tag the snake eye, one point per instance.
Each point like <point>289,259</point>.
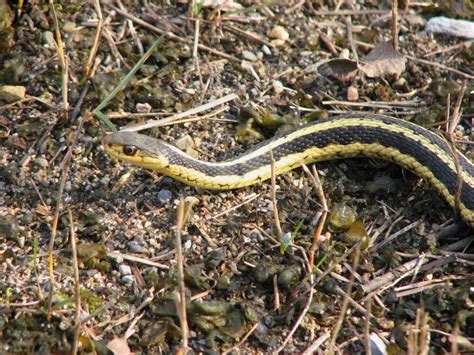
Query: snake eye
<point>130,150</point>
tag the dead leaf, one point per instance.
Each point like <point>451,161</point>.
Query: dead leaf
<point>340,69</point>
<point>383,60</point>
<point>119,346</point>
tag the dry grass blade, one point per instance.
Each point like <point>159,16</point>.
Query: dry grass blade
<point>63,60</point>
<point>181,294</point>
<point>54,230</point>
<point>95,46</point>
<point>77,293</point>
<point>274,200</point>
<point>395,24</point>
<point>453,122</point>
<point>314,178</point>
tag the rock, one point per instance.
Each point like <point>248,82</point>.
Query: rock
<point>69,26</point>
<point>165,196</point>
<point>277,86</point>
<point>250,56</point>
<point>127,279</point>
<point>47,38</point>
<point>352,94</point>
<point>280,33</point>
<point>184,142</point>
<point>10,93</point>
<point>266,50</point>
<point>135,247</point>
<point>8,228</point>
<point>42,162</point>
<point>124,269</point>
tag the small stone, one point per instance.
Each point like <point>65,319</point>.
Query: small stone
<point>352,94</point>
<point>48,40</point>
<point>415,20</point>
<point>135,247</point>
<point>127,279</point>
<point>11,93</point>
<point>165,196</point>
<point>125,269</point>
<point>250,56</point>
<point>266,50</point>
<point>279,32</point>
<point>42,162</point>
<point>184,142</point>
<point>143,107</point>
<point>187,245</point>
<point>277,86</point>
<point>8,228</point>
<point>401,83</point>
<point>278,42</point>
<point>345,54</point>
<point>69,26</point>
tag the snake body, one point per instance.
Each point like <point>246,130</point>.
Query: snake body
<point>352,135</point>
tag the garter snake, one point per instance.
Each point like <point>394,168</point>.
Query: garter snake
<point>351,135</point>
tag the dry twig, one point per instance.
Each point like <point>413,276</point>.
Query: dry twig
<point>314,178</point>
<point>178,116</point>
<point>395,24</point>
<point>181,299</point>
<point>77,293</point>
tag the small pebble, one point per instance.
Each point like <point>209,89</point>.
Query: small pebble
<point>11,93</point>
<point>279,32</point>
<point>47,39</point>
<point>127,279</point>
<point>125,269</point>
<point>250,56</point>
<point>352,94</point>
<point>135,247</point>
<point>143,107</point>
<point>266,50</point>
<point>42,162</point>
<point>69,26</point>
<point>184,142</point>
<point>277,86</point>
<point>345,54</point>
<point>165,196</point>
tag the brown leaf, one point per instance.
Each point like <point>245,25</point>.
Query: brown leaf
<point>119,346</point>
<point>340,69</point>
<point>383,60</point>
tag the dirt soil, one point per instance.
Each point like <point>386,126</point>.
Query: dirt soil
<point>88,245</point>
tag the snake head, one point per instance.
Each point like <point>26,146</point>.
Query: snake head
<point>137,149</point>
